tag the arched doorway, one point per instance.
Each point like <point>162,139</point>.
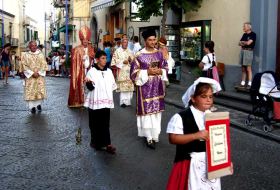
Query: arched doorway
<point>94,32</point>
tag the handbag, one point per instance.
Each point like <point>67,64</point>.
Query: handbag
<point>212,72</point>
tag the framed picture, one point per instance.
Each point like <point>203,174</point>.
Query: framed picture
<point>218,145</point>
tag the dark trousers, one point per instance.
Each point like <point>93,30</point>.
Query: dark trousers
<point>99,123</point>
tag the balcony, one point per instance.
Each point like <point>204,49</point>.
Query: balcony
<point>60,3</point>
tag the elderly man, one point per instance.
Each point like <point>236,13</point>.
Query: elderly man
<point>122,58</point>
<point>247,44</point>
<point>149,71</point>
<point>34,67</point>
<point>81,58</point>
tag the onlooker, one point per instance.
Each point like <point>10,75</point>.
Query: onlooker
<point>101,84</point>
<point>6,61</point>
<point>108,51</point>
<point>208,63</point>
<point>208,59</point>
<point>55,63</point>
<point>247,43</point>
<point>13,64</point>
<point>136,47</point>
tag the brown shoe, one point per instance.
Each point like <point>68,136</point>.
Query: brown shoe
<point>111,149</point>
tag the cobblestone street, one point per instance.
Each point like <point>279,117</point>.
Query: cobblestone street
<point>40,152</point>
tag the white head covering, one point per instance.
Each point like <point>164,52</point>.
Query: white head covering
<point>187,96</point>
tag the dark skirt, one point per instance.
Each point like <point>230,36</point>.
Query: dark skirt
<point>179,176</point>
<point>99,123</point>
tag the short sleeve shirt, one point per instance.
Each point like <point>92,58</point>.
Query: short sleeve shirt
<point>175,125</point>
<point>250,36</point>
<point>206,62</point>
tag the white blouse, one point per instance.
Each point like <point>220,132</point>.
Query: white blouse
<point>175,125</point>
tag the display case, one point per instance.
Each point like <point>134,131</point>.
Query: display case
<point>193,36</point>
<point>172,35</point>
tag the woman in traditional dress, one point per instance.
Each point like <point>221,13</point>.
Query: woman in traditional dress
<point>187,131</point>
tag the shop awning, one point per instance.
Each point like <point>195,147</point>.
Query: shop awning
<point>101,4</point>
<point>63,28</point>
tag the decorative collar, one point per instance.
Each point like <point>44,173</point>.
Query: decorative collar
<point>37,52</point>
<point>99,69</point>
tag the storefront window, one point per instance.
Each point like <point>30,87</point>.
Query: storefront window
<point>191,43</point>
<point>193,36</point>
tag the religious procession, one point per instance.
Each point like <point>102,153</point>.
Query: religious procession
<point>128,103</point>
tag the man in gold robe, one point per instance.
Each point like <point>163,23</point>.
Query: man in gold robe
<point>122,58</point>
<point>81,59</point>
<point>34,67</point>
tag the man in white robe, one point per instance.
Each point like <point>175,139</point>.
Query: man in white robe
<point>122,58</point>
<point>34,67</point>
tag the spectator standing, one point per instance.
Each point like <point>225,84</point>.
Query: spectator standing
<point>247,43</point>
<point>136,45</point>
<point>5,62</point>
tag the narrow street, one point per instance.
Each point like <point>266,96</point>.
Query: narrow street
<point>40,152</point>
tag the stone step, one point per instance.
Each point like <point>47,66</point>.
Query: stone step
<point>237,96</point>
<point>239,105</point>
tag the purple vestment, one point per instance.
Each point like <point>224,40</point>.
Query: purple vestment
<point>150,96</point>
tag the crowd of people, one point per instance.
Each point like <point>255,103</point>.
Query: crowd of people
<point>129,68</point>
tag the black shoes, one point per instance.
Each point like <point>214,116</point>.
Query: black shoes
<point>151,144</point>
<point>123,106</point>
<point>33,110</point>
<point>39,108</point>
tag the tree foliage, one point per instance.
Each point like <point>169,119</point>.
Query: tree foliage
<point>148,8</point>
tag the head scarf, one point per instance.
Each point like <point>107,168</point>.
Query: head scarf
<point>84,33</point>
<point>190,92</point>
<point>147,33</point>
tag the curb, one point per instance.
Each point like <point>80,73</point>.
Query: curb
<point>253,130</point>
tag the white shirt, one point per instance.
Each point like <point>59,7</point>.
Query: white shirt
<point>205,60</point>
<point>102,94</point>
<point>137,47</point>
<point>175,125</point>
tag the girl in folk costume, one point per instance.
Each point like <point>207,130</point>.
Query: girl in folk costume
<point>81,57</point>
<point>187,131</point>
<point>101,84</point>
<point>34,67</point>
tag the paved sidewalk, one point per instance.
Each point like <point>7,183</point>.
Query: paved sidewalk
<point>237,118</point>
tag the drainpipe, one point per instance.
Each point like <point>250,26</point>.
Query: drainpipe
<point>66,31</point>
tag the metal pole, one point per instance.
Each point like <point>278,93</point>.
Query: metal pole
<point>66,31</point>
<point>3,24</point>
<point>45,43</point>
